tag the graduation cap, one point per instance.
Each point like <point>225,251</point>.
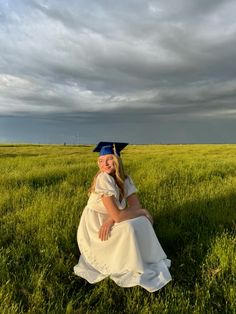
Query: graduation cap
<point>105,148</point>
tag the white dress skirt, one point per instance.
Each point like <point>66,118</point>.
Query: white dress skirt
<point>131,256</point>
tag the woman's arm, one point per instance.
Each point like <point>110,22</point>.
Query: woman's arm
<point>134,210</point>
<point>133,202</point>
<point>121,215</point>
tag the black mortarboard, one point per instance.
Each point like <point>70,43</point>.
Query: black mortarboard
<point>105,148</point>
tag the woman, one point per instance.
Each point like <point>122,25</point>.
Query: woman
<point>115,235</point>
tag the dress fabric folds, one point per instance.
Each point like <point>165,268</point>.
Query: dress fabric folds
<point>131,256</point>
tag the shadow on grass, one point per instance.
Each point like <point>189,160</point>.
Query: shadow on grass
<point>187,232</point>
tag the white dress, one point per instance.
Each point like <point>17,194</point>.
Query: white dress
<point>131,256</point>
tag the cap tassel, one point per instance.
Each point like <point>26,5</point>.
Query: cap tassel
<point>114,150</point>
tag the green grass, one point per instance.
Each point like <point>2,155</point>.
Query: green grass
<point>191,192</point>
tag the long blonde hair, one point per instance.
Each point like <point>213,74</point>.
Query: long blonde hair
<point>119,177</point>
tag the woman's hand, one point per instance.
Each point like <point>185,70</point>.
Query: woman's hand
<point>105,229</point>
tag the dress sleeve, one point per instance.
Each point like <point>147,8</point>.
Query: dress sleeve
<point>130,188</point>
<point>105,185</point>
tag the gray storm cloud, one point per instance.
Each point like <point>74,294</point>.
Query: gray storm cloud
<point>92,59</point>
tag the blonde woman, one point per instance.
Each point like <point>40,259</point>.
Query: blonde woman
<point>115,234</point>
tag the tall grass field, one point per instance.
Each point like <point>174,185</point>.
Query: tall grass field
<point>190,191</point>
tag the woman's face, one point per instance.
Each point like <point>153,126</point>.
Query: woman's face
<point>106,164</point>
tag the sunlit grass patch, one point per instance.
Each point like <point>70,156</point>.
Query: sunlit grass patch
<point>189,189</point>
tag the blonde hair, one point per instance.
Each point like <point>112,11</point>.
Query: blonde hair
<point>119,177</point>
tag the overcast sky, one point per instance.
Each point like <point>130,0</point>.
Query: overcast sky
<point>139,71</point>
